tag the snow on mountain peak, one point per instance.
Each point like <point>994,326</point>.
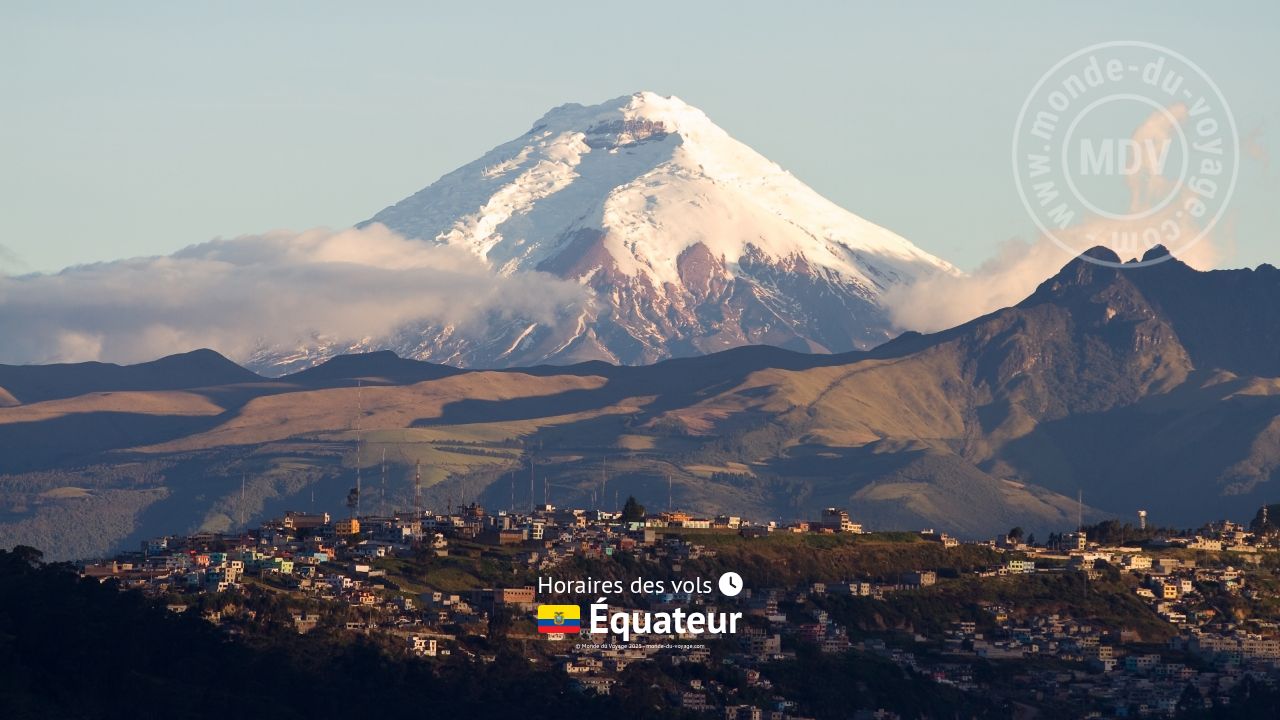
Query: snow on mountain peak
<point>653,176</point>
<point>670,112</point>
<point>686,241</point>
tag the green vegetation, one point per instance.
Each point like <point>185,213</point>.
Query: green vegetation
<point>788,560</point>
<point>467,567</point>
<point>1113,532</point>
<point>1108,602</point>
<point>632,511</point>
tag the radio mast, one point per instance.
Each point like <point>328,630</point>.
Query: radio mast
<point>359,412</point>
<point>417,489</point>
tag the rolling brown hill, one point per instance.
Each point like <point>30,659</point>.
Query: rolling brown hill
<point>1151,388</point>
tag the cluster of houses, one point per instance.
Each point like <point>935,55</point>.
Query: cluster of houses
<point>1118,682</point>
<point>342,561</point>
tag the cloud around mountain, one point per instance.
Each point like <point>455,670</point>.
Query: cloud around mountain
<point>945,300</point>
<point>280,289</point>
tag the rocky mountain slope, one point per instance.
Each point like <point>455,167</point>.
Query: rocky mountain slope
<point>689,242</point>
<point>1155,388</point>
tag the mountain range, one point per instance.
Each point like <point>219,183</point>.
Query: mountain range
<point>686,241</point>
<point>1153,388</point>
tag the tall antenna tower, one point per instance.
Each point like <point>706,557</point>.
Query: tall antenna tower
<point>531,476</point>
<point>242,477</point>
<point>1079,510</point>
<point>359,413</point>
<point>417,489</point>
<point>668,492</point>
<point>604,479</point>
<point>382,499</point>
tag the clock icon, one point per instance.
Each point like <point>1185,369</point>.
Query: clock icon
<point>731,583</point>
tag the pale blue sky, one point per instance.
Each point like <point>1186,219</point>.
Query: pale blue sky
<point>138,128</point>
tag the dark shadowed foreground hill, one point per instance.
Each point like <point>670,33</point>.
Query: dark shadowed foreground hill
<point>1154,388</point>
<point>72,648</point>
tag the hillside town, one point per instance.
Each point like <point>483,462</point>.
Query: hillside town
<point>1194,631</point>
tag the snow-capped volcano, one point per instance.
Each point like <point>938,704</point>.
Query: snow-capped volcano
<point>687,240</point>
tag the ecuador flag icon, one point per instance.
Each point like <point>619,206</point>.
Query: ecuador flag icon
<point>559,618</point>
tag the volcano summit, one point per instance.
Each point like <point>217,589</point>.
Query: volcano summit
<point>686,242</point>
